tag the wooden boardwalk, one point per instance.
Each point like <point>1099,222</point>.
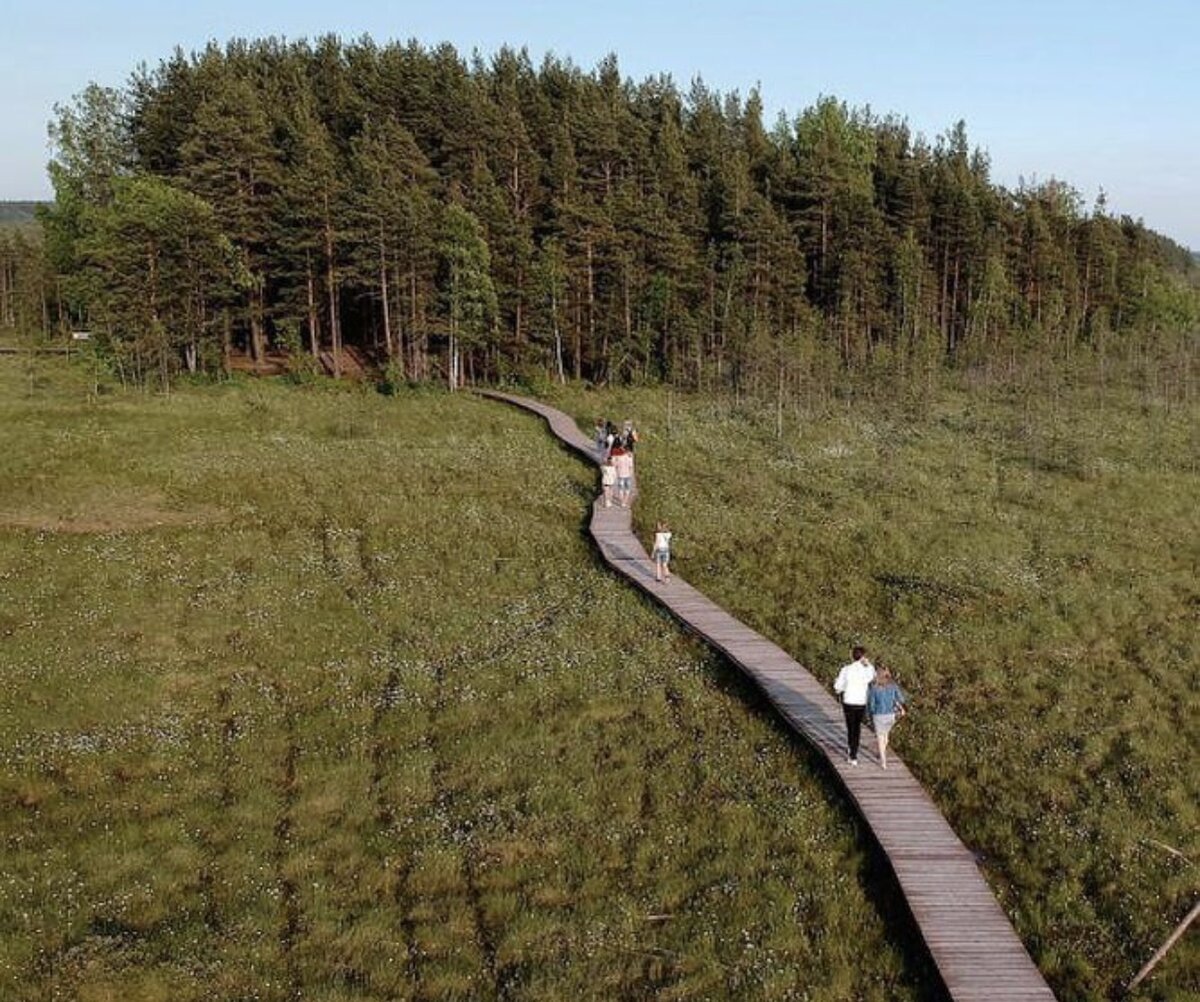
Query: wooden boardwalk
<point>976,951</point>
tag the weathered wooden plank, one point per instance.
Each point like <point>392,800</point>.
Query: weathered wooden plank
<point>972,943</point>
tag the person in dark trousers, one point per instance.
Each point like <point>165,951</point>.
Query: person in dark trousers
<point>629,435</point>
<point>600,437</point>
<point>611,436</point>
<point>852,684</point>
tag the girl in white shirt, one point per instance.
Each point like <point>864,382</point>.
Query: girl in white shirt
<point>661,554</point>
<point>608,480</point>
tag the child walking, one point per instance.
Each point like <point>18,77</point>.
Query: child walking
<point>661,555</point>
<point>608,480</point>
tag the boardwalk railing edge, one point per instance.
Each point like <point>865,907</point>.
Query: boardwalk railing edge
<point>974,947</point>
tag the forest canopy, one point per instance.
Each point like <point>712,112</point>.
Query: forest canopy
<point>481,219</point>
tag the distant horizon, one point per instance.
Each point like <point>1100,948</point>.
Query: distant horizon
<point>1090,94</point>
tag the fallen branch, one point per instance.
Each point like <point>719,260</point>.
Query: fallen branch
<point>1173,851</point>
<point>1162,950</point>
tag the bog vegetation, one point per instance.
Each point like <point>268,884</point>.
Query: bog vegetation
<point>322,695</point>
<point>473,219</point>
<point>271,729</point>
<point>1025,556</point>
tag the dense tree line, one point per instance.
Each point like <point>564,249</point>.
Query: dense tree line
<point>471,219</point>
<point>27,285</point>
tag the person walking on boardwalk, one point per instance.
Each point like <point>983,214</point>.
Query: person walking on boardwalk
<point>629,435</point>
<point>661,554</point>
<point>623,461</point>
<point>608,480</point>
<point>600,437</point>
<point>851,684</point>
<point>885,702</point>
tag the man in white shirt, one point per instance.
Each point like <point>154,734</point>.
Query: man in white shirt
<point>851,684</point>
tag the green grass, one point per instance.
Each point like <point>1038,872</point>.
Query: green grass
<point>1027,560</point>
<point>323,695</point>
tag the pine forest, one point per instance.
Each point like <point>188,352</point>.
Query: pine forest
<point>473,220</point>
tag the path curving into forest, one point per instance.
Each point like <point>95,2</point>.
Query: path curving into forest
<point>973,945</point>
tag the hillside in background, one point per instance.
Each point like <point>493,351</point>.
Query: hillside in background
<point>18,212</point>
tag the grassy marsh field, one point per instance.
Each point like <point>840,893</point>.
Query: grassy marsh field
<point>1027,557</point>
<point>319,694</point>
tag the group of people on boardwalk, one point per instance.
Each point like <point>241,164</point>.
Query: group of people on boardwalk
<point>609,438</point>
<point>616,460</point>
<point>868,691</point>
<point>615,448</point>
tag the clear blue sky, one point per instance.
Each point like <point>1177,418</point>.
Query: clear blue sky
<point>1099,94</point>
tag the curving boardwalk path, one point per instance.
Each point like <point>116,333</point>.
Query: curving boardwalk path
<point>975,949</point>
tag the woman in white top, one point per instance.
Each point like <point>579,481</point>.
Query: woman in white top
<point>661,554</point>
